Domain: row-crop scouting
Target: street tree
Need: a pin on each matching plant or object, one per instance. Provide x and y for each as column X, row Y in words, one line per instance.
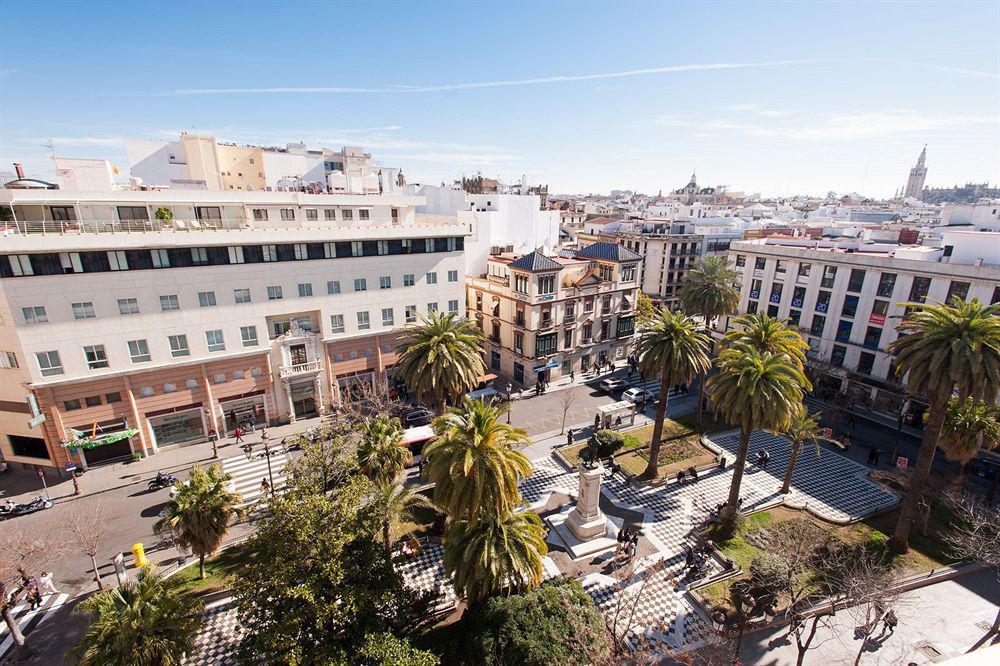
column 672, row 348
column 803, row 428
column 86, row 526
column 942, row 350
column 644, row 309
column 23, row 555
column 441, row 357
column 201, row 512
column 147, row 622
column 976, row 536
column 566, row 399
column 969, row 425
column 709, row 292
column 381, row 452
column 393, row 506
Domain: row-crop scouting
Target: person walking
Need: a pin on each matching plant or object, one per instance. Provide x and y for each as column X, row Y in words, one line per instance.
column 248, row 450
column 597, row 421
column 569, row 436
column 265, row 487
column 572, row 376
column 46, row 585
column 34, row 595
column 239, row 435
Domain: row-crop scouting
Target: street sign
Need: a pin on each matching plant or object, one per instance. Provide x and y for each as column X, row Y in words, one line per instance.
column 120, row 572
column 41, row 474
column 37, row 421
column 902, row 462
column 70, row 466
column 828, row 432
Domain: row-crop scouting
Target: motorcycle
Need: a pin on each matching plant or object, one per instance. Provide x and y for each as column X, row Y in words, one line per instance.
column 11, row 510
column 162, row 482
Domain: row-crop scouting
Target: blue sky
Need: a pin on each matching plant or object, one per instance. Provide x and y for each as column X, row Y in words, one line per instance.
column 777, row 98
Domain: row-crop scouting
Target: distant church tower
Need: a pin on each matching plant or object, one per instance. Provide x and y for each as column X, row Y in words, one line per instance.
column 915, row 183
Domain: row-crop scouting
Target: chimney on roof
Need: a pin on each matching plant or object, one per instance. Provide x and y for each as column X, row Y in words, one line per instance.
column 19, row 168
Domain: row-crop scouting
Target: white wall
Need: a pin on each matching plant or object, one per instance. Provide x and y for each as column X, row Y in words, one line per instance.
column 83, row 174
column 150, row 161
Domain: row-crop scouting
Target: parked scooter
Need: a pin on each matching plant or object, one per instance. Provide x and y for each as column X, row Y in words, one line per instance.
column 11, row 510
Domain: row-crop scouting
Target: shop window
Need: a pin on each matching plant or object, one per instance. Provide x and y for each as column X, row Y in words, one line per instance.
column 28, row 447
column 72, row 405
column 92, row 401
column 112, row 397
column 191, row 383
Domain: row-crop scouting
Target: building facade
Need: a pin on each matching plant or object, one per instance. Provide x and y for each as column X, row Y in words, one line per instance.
column 228, row 306
column 545, row 317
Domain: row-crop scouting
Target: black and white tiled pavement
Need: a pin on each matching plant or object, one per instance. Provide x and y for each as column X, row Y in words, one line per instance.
column 218, row 637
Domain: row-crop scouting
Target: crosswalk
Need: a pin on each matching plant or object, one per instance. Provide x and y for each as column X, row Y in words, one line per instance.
column 247, row 474
column 27, row 619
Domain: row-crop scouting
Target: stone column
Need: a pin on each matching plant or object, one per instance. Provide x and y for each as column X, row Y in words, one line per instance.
column 587, row 521
column 291, row 405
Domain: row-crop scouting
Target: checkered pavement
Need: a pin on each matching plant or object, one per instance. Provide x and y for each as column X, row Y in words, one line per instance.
column 424, row 572
column 247, row 474
column 27, row 619
column 217, row 637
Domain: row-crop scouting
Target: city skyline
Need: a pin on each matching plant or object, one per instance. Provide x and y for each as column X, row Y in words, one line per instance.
column 777, row 99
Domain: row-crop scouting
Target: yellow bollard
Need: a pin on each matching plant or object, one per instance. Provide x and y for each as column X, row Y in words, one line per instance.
column 139, row 553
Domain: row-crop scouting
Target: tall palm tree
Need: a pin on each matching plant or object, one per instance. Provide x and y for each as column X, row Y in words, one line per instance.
column 708, row 291
column 968, row 426
column 147, row 622
column 381, row 452
column 473, row 463
column 201, row 512
column 672, row 348
column 500, row 554
column 394, row 505
column 766, row 333
column 754, row 390
column 802, row 428
column 943, row 349
column 441, row 357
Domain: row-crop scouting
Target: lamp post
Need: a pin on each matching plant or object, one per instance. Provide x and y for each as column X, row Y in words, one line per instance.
column 899, row 429
column 747, row 607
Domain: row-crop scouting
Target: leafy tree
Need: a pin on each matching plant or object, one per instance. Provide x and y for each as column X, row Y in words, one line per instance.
column 441, row 357
column 975, row 535
column 381, row 452
column 768, row 334
column 326, row 461
column 201, row 512
column 605, row 443
column 708, row 291
column 672, row 348
column 943, row 349
column 387, row 650
column 754, row 390
column 146, row 622
column 320, row 580
column 644, row 309
column 968, row 426
column 494, row 555
column 803, row 428
column 473, row 463
column 392, row 505
column 554, row 624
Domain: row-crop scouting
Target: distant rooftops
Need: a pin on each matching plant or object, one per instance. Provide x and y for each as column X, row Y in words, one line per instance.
column 535, row 261
column 608, row 252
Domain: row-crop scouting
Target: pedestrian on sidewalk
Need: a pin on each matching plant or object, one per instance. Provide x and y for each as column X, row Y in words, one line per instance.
column 265, row 487
column 248, row 450
column 569, row 437
column 597, row 421
column 34, row 596
column 878, row 454
column 46, row 585
column 572, row 376
column 239, row 435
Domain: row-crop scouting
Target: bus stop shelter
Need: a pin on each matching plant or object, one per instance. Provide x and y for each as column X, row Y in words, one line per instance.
column 614, row 414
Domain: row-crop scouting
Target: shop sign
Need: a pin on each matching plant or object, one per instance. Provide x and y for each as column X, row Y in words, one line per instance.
column 303, row 390
column 876, row 318
column 775, row 298
column 902, row 462
column 822, row 307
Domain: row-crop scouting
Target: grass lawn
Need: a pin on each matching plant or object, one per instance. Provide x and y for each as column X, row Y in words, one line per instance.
column 218, row 570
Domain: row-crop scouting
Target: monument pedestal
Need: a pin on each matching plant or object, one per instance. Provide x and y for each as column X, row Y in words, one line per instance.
column 586, row 521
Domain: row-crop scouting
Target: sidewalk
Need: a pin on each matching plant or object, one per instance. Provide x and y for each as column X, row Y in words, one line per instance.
column 23, row 486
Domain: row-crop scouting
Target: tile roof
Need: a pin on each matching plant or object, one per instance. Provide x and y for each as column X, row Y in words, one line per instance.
column 608, row 251
column 535, row 261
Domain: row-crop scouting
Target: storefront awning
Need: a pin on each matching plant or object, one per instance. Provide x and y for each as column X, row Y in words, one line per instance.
column 83, row 441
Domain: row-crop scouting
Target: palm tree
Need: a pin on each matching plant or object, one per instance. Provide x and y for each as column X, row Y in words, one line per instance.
column 943, row 349
column 802, row 428
column 671, row 347
column 500, row 554
column 441, row 357
column 148, row 622
column 381, row 452
column 766, row 333
column 393, row 506
column 708, row 291
column 201, row 512
column 473, row 463
column 754, row 390
column 968, row 426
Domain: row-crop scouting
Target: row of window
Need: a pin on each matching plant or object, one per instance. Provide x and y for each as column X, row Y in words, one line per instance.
column 53, row 263
column 96, row 357
column 147, row 391
column 130, row 306
column 312, row 214
column 546, row 344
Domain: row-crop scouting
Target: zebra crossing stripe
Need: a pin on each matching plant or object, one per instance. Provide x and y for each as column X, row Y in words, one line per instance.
column 28, row 620
column 247, row 474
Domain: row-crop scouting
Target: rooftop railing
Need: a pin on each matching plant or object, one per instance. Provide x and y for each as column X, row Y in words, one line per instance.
column 77, row 227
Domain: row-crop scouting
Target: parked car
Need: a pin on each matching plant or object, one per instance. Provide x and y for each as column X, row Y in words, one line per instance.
column 610, row 385
column 638, row 395
column 985, row 467
column 488, row 394
column 418, row 417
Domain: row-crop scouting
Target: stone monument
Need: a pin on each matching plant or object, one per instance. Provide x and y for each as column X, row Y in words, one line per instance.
column 586, row 521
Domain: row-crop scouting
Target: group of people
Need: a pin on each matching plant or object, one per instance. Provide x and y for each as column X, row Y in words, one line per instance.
column 34, row 589
column 696, row 561
column 691, row 473
column 628, row 542
column 874, row 454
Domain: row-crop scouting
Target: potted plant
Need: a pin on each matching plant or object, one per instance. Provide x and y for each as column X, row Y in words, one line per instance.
column 136, row 456
column 164, row 214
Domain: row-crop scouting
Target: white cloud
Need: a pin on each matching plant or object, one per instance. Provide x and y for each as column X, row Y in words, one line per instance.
column 755, row 108
column 106, row 141
column 467, row 160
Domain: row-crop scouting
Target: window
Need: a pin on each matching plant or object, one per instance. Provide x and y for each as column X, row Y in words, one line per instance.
column 837, row 356
column 169, row 303
column 20, row 264
column 300, row 251
column 83, row 310
column 411, row 314
column 755, row 288
column 996, row 296
column 776, row 289
column 330, row 214
column 248, row 334
column 918, row 292
column 360, row 284
column 804, row 270
column 348, row 214
column 206, row 299
column 628, row 273
column 49, row 363
column 545, row 344
column 856, row 281
column 29, row 447
column 794, row 316
column 453, row 306
column 432, row 307
column 160, row 258
column 518, row 342
column 850, row 306
column 385, row 282
column 333, row 286
column 260, row 214
column 452, row 276
column 34, row 315
column 408, row 280
column 178, row 345
column 236, row 255
column 382, row 247
column 829, row 275
column 432, row 278
column 387, row 318
column 606, row 272
column 357, row 249
column 336, row 323
column 780, row 267
column 96, row 356
column 957, row 290
column 112, row 397
column 72, row 405
column 872, row 336
column 772, row 310
column 215, row 341
column 886, row 283
column 363, row 323
column 305, row 289
column 866, row 362
column 92, row 401
column 568, row 338
column 588, row 333
column 741, row 260
column 518, row 372
column 312, row 214
column 798, row 297
column 274, row 293
column 117, row 260
column 428, row 245
column 128, row 306
column 625, row 327
column 547, row 284
column 521, row 283
column 823, row 301
column 288, row 214
column 844, row 328
column 199, row 256
column 138, row 350
column 8, row 360
column 241, row 295
column 364, row 214
column 818, row 324
column 752, row 307
column 270, row 252
column 879, row 310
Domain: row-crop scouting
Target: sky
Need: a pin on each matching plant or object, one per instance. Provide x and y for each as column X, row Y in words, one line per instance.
column 773, row 98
